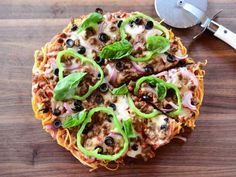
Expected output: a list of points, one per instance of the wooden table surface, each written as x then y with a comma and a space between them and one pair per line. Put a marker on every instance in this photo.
26, 150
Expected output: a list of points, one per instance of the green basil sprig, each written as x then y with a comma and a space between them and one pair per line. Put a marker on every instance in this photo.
92, 20
161, 91
117, 50
65, 88
158, 44
122, 90
128, 128
74, 120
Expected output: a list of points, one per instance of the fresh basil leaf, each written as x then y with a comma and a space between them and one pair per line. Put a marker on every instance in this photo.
92, 20
157, 44
128, 128
74, 120
65, 88
117, 50
122, 90
161, 91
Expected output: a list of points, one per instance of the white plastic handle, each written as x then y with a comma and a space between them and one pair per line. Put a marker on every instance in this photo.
226, 35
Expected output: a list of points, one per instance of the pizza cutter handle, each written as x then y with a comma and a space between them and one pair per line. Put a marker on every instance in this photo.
223, 33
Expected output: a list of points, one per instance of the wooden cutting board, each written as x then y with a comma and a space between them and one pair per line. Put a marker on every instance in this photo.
26, 150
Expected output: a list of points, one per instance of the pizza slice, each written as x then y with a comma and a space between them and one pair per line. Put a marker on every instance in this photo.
177, 92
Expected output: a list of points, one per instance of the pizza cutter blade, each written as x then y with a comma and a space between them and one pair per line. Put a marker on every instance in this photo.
187, 13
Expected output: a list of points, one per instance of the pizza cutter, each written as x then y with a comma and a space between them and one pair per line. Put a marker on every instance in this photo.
187, 13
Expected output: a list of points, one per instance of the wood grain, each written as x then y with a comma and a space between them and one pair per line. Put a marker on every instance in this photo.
26, 150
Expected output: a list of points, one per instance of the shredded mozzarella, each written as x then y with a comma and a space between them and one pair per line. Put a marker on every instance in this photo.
122, 108
135, 30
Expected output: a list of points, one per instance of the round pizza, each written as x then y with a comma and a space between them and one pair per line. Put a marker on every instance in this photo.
113, 85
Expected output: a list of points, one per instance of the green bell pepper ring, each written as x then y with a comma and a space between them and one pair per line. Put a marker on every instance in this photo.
179, 100
147, 57
154, 80
118, 126
157, 25
149, 79
154, 113
83, 59
138, 15
161, 90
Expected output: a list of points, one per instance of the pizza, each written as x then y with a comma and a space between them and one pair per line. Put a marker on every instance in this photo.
115, 85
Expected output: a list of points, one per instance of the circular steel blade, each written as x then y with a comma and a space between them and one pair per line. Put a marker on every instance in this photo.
175, 16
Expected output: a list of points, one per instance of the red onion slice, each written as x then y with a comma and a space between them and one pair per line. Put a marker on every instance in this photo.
50, 127
167, 110
190, 75
186, 101
137, 67
179, 55
181, 138
101, 27
112, 73
173, 107
164, 73
74, 66
68, 108
148, 89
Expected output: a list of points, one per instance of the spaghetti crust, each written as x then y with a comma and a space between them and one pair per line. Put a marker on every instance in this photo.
66, 137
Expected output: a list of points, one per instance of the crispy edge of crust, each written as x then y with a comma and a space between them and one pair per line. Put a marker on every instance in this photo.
199, 93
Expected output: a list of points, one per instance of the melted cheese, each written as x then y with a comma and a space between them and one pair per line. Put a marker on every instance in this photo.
159, 120
91, 143
83, 42
133, 154
107, 28
109, 69
122, 108
152, 32
134, 31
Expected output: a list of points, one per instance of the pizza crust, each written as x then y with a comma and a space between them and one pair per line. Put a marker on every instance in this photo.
63, 136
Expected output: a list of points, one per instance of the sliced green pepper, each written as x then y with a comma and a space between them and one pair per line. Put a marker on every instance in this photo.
139, 113
147, 57
83, 59
161, 87
138, 15
157, 25
118, 127
179, 100
149, 79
